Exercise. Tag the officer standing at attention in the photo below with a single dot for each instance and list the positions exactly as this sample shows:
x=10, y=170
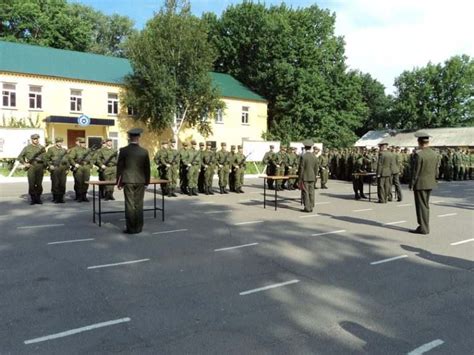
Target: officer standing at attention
x=58, y=167
x=202, y=171
x=324, y=168
x=160, y=161
x=307, y=176
x=133, y=175
x=32, y=158
x=80, y=158
x=292, y=167
x=316, y=151
x=107, y=160
x=239, y=169
x=223, y=163
x=208, y=161
x=396, y=162
x=423, y=181
x=193, y=163
x=384, y=173
x=232, y=169
x=183, y=168
x=269, y=161
x=172, y=163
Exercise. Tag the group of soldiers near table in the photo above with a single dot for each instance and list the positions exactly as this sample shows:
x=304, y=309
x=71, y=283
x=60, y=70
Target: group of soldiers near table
x=195, y=168
x=58, y=161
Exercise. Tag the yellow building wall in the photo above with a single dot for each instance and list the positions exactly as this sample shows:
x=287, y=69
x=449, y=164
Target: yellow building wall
x=56, y=102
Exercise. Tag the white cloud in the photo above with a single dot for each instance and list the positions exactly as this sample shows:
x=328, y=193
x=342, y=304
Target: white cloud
x=386, y=37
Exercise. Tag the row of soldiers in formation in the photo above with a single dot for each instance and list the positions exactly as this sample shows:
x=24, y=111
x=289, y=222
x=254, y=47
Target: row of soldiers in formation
x=453, y=163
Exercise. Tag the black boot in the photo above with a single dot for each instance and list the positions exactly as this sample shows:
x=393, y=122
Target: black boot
x=194, y=191
x=357, y=197
x=32, y=199
x=111, y=196
x=225, y=191
x=189, y=191
x=173, y=193
x=38, y=199
x=210, y=191
x=77, y=197
x=206, y=190
x=84, y=197
x=221, y=189
x=61, y=198
x=363, y=196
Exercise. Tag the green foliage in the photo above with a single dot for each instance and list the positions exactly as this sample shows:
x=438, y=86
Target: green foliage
x=293, y=58
x=171, y=59
x=26, y=122
x=58, y=24
x=436, y=95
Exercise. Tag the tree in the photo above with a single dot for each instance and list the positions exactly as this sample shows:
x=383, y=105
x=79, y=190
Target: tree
x=436, y=95
x=293, y=58
x=58, y=24
x=171, y=84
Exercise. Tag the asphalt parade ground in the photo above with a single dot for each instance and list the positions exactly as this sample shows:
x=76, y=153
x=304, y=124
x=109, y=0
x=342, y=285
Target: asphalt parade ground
x=223, y=275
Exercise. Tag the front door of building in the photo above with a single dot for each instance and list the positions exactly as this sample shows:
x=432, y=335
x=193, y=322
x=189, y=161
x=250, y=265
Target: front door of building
x=72, y=134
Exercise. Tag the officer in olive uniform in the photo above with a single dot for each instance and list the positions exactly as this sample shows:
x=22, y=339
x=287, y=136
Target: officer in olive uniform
x=208, y=165
x=308, y=170
x=324, y=168
x=133, y=175
x=269, y=161
x=202, y=171
x=423, y=181
x=238, y=167
x=32, y=157
x=316, y=151
x=231, y=169
x=193, y=163
x=396, y=162
x=57, y=161
x=107, y=161
x=80, y=160
x=223, y=164
x=384, y=173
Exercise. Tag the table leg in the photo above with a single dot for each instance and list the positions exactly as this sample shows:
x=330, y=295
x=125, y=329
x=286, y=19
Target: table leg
x=162, y=207
x=93, y=203
x=154, y=200
x=370, y=189
x=264, y=193
x=276, y=196
x=100, y=210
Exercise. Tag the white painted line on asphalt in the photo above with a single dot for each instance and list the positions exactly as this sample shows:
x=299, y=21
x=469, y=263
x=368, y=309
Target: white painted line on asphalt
x=447, y=215
x=322, y=203
x=216, y=212
x=388, y=260
x=363, y=210
x=463, y=242
x=392, y=223
x=405, y=205
x=426, y=347
x=204, y=203
x=71, y=241
x=249, y=222
x=116, y=264
x=77, y=330
x=123, y=219
x=41, y=226
x=438, y=202
x=172, y=231
x=333, y=232
x=310, y=216
x=236, y=247
x=268, y=287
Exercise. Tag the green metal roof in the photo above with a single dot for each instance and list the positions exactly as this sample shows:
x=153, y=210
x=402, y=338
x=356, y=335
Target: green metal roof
x=37, y=60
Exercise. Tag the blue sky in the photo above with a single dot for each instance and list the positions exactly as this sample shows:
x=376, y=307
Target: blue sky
x=383, y=37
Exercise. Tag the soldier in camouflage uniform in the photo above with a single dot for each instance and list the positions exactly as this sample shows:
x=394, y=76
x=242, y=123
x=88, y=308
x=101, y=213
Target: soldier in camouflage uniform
x=57, y=161
x=107, y=161
x=193, y=163
x=448, y=165
x=161, y=165
x=183, y=168
x=223, y=164
x=396, y=162
x=324, y=168
x=208, y=158
x=32, y=157
x=269, y=161
x=231, y=169
x=361, y=164
x=292, y=166
x=316, y=151
x=100, y=172
x=238, y=167
x=80, y=159
x=280, y=164
x=171, y=160
x=202, y=171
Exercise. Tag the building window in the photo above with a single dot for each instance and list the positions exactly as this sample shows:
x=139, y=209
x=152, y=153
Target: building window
x=112, y=104
x=35, y=98
x=115, y=139
x=76, y=100
x=9, y=95
x=220, y=116
x=245, y=115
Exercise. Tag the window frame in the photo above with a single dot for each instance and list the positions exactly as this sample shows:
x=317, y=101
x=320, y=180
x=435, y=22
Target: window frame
x=219, y=116
x=77, y=100
x=245, y=115
x=112, y=104
x=35, y=95
x=9, y=94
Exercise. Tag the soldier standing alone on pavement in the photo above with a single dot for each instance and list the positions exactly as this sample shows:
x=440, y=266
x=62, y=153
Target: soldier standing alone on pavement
x=133, y=175
x=307, y=176
x=423, y=181
x=107, y=161
x=32, y=158
x=58, y=166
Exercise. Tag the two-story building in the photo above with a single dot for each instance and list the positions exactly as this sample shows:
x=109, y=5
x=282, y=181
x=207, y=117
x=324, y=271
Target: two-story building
x=74, y=94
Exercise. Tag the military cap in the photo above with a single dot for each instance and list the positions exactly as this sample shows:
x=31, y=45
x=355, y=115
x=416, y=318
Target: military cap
x=172, y=140
x=223, y=144
x=108, y=139
x=316, y=148
x=308, y=143
x=81, y=140
x=239, y=147
x=282, y=147
x=272, y=146
x=383, y=143
x=134, y=132
x=422, y=135
x=185, y=144
x=208, y=144
x=59, y=139
x=35, y=136
x=193, y=142
x=201, y=144
x=232, y=147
